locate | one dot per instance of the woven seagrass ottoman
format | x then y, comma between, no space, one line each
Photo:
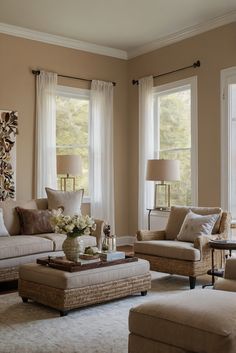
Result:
199,321
65,291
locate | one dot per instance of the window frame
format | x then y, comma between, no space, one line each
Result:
176,86
227,77
77,93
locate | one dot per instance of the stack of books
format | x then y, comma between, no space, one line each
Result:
112,256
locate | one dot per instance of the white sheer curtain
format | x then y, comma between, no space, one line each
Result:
146,148
101,161
45,149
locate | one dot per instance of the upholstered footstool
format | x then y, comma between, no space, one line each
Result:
201,321
69,290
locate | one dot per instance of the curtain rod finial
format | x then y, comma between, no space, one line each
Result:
197,64
135,82
36,72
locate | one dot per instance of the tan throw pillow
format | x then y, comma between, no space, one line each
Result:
70,201
195,225
3,229
34,221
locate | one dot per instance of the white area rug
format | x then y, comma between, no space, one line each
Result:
31,327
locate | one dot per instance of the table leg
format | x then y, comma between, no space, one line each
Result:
212,267
212,271
149,213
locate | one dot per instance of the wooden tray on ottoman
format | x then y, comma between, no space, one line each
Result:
61,263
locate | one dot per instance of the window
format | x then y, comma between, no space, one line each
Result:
228,140
72,129
175,135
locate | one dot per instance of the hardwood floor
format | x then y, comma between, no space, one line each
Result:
128,249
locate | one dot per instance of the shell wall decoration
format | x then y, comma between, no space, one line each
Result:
8,132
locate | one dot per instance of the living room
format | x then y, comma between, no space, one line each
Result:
209,38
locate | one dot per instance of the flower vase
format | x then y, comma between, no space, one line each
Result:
73,246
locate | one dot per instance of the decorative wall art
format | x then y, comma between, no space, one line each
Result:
8,132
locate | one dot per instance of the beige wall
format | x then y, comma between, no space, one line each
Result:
216,50
17,92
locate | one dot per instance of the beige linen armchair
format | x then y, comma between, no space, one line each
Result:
168,254
228,283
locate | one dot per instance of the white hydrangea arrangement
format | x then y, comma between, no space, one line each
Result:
73,226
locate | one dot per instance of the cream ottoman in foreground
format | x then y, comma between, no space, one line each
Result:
69,290
201,321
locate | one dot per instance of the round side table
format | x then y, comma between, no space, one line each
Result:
225,244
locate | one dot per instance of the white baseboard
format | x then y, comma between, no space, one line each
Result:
125,240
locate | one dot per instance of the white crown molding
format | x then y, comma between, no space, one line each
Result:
117,53
61,41
183,34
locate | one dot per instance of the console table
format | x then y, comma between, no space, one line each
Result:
150,210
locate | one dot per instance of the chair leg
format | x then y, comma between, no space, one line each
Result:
192,282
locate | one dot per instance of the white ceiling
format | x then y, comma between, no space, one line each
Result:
131,26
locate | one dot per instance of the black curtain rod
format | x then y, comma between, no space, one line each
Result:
194,65
37,72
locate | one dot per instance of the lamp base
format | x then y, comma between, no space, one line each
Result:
162,196
64,181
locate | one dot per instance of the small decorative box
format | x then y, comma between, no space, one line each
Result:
112,256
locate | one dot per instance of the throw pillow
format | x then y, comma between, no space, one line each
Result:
3,229
195,225
34,221
70,201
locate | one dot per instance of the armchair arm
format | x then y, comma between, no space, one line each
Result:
201,242
98,232
151,235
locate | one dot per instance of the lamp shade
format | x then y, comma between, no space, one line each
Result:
163,170
69,164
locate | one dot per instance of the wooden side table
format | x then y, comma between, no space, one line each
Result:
219,245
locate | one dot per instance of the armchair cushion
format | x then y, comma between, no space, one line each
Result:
168,249
178,214
195,225
151,234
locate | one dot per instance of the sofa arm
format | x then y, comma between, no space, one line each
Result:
230,268
98,232
151,235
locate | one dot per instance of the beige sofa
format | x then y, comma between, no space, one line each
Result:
18,248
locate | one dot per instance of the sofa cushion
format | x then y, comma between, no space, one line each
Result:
178,214
195,225
58,239
11,218
197,321
70,201
34,221
23,245
168,248
3,230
